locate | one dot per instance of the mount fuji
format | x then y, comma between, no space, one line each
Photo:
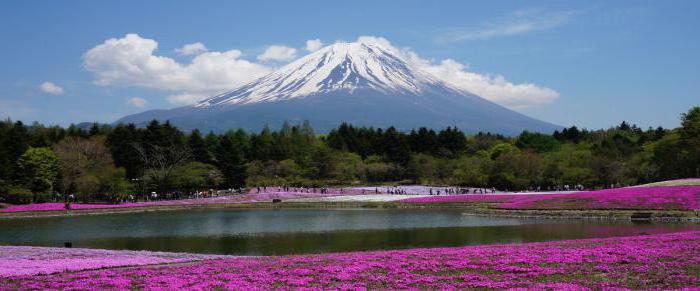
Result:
364,84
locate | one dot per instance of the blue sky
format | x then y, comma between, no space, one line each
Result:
588,63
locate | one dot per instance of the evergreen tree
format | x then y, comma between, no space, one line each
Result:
230,159
198,147
122,142
690,141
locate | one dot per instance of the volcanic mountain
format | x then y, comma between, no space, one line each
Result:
361,83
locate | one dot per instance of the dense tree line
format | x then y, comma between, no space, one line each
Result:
105,163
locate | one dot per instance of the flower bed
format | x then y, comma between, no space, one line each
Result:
660,261
633,198
652,198
23,260
230,199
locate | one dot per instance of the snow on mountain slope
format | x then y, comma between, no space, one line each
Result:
341,66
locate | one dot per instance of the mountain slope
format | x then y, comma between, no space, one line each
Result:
360,83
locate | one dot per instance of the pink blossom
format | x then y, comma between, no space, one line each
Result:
252,197
658,198
659,261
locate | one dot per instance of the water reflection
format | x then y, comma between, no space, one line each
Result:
294,231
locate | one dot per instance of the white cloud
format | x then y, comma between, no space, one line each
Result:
131,61
520,22
493,88
137,102
313,45
185,98
278,53
51,88
192,49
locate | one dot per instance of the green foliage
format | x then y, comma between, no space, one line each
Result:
114,186
39,169
689,143
472,171
349,168
540,143
501,149
196,176
107,164
18,195
231,158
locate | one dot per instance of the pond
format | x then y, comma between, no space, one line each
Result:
297,231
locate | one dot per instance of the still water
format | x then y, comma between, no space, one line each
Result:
296,231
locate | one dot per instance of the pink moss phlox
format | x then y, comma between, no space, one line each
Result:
660,261
252,197
652,198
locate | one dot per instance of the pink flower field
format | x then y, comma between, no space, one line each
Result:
231,199
661,261
24,260
651,198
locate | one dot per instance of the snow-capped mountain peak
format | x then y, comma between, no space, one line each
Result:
340,66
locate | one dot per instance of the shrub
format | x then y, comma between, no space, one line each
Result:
19,195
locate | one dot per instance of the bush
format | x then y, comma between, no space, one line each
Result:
19,195
43,197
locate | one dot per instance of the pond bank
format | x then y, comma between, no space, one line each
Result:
481,209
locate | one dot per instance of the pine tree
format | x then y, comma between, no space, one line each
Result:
198,147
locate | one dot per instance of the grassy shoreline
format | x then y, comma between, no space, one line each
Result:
477,209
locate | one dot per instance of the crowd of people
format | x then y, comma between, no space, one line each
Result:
408,190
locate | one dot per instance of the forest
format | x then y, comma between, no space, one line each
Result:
109,163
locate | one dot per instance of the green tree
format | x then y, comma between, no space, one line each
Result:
231,160
198,147
537,142
39,169
472,171
690,142
196,176
14,141
349,168
423,169
86,167
122,143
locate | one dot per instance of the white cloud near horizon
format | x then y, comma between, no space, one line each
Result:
191,49
279,53
516,23
51,88
131,61
313,45
137,102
